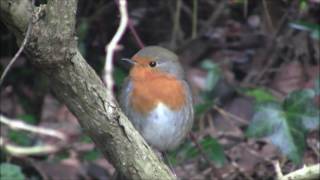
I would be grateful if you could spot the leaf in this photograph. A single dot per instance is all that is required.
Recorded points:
(214, 150)
(260, 95)
(86, 139)
(265, 120)
(179, 155)
(310, 118)
(272, 122)
(290, 140)
(213, 76)
(207, 64)
(211, 148)
(20, 137)
(299, 105)
(203, 108)
(298, 101)
(118, 75)
(10, 171)
(92, 155)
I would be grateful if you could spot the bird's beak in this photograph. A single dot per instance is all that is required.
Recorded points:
(128, 60)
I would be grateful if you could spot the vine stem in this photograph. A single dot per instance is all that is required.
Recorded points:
(112, 46)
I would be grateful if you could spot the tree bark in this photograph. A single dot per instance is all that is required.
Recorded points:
(52, 47)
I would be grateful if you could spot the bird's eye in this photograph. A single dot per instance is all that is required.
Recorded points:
(152, 64)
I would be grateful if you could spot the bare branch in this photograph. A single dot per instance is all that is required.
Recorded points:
(111, 47)
(15, 57)
(18, 124)
(25, 151)
(306, 172)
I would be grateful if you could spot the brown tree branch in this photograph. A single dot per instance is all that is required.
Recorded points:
(52, 48)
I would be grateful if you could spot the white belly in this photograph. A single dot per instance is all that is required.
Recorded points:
(165, 129)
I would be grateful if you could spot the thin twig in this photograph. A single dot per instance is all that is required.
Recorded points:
(112, 46)
(135, 34)
(230, 115)
(24, 151)
(17, 124)
(176, 25)
(15, 57)
(270, 56)
(277, 168)
(194, 19)
(214, 16)
(133, 31)
(240, 170)
(306, 172)
(266, 10)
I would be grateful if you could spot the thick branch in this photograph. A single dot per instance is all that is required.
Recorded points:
(52, 48)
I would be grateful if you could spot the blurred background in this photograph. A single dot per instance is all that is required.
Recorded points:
(254, 71)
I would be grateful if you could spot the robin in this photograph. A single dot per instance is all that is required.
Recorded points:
(157, 99)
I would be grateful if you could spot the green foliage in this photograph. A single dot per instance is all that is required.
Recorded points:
(61, 156)
(86, 139)
(300, 105)
(10, 172)
(92, 155)
(213, 76)
(82, 31)
(202, 108)
(261, 95)
(119, 75)
(286, 124)
(271, 121)
(303, 5)
(211, 147)
(28, 118)
(20, 137)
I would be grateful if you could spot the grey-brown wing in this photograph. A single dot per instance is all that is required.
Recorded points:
(188, 110)
(124, 95)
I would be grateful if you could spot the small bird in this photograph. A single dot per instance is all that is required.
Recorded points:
(157, 99)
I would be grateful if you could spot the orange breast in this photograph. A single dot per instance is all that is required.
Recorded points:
(152, 87)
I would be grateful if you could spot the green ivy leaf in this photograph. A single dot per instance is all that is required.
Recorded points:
(180, 154)
(260, 95)
(272, 121)
(10, 172)
(298, 100)
(214, 150)
(299, 105)
(265, 120)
